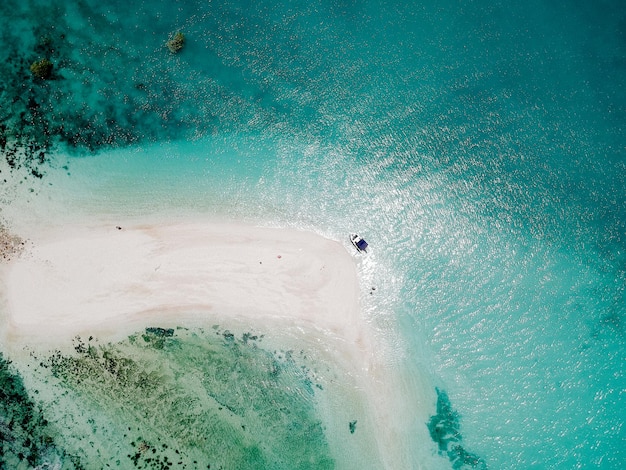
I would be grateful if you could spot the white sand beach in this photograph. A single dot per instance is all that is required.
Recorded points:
(75, 279)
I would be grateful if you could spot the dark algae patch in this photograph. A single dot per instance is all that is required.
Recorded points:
(445, 431)
(168, 398)
(25, 435)
(352, 426)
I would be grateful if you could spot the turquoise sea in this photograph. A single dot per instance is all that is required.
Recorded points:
(479, 146)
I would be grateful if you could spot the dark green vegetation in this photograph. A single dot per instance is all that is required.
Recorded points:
(183, 399)
(25, 436)
(445, 430)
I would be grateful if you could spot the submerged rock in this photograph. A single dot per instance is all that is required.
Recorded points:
(352, 426)
(176, 43)
(160, 331)
(444, 427)
(445, 430)
(42, 69)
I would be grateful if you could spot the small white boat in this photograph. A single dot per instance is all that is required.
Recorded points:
(359, 243)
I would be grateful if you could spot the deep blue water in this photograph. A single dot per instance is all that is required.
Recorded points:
(477, 145)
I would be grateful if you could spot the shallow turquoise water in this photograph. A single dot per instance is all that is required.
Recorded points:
(478, 146)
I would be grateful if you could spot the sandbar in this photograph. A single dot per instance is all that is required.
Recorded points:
(114, 279)
(77, 279)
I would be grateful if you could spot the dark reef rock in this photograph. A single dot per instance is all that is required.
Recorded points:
(352, 426)
(76, 96)
(162, 332)
(444, 427)
(41, 69)
(158, 338)
(445, 431)
(176, 43)
(25, 437)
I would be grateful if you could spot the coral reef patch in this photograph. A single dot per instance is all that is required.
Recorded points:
(192, 399)
(42, 69)
(176, 43)
(85, 82)
(26, 437)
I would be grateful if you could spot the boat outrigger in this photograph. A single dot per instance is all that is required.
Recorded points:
(359, 243)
